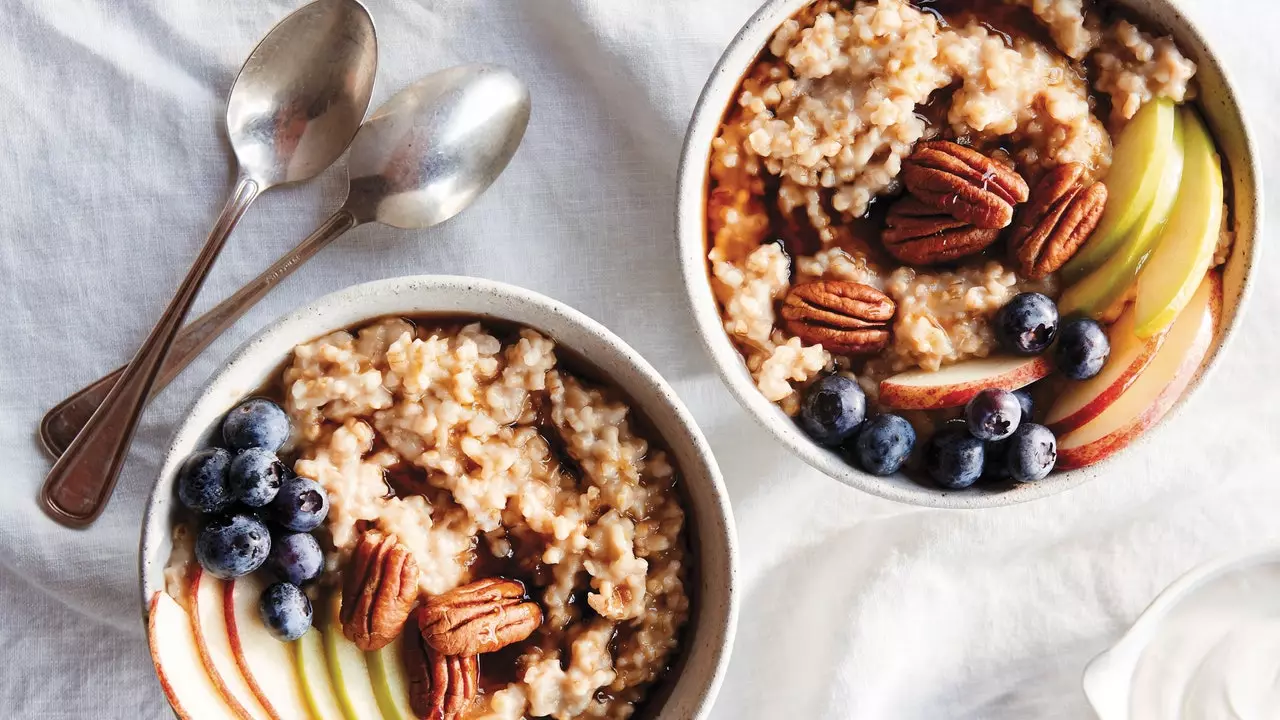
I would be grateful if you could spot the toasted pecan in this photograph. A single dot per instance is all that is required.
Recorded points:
(482, 617)
(846, 318)
(441, 687)
(964, 183)
(919, 234)
(379, 589)
(1063, 212)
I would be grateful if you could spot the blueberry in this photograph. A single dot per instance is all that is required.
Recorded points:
(995, 464)
(255, 476)
(256, 422)
(1028, 407)
(884, 443)
(1033, 451)
(832, 409)
(203, 483)
(1027, 324)
(233, 545)
(301, 505)
(295, 557)
(954, 459)
(993, 414)
(1083, 349)
(285, 610)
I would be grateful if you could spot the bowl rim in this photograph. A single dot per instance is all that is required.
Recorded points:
(157, 525)
(690, 237)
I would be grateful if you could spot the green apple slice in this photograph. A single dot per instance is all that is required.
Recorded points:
(1144, 156)
(1185, 250)
(1110, 284)
(390, 684)
(317, 686)
(348, 669)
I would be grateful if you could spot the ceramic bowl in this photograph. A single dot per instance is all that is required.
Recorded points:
(693, 683)
(1207, 598)
(1219, 105)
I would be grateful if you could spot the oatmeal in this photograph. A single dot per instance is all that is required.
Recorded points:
(830, 114)
(499, 457)
(943, 159)
(1135, 67)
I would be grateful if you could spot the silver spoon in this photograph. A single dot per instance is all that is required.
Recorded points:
(488, 110)
(293, 110)
(419, 160)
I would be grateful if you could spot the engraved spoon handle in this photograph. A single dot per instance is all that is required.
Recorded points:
(76, 490)
(59, 426)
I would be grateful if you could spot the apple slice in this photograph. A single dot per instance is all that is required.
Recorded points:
(1141, 160)
(214, 642)
(313, 670)
(1185, 250)
(1102, 288)
(390, 684)
(189, 687)
(266, 662)
(1082, 401)
(348, 668)
(954, 385)
(1156, 390)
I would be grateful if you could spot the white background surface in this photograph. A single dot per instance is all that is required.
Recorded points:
(114, 166)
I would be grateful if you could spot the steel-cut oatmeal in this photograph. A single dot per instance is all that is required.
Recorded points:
(500, 457)
(449, 499)
(889, 175)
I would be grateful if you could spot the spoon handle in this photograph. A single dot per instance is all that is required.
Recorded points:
(65, 420)
(76, 490)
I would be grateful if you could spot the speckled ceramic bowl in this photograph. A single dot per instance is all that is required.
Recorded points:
(1218, 102)
(691, 687)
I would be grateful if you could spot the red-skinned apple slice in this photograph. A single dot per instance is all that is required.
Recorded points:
(267, 663)
(214, 642)
(1156, 390)
(182, 674)
(954, 385)
(1083, 401)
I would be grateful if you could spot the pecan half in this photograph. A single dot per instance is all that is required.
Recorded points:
(482, 617)
(441, 687)
(1063, 212)
(379, 589)
(964, 183)
(846, 318)
(918, 234)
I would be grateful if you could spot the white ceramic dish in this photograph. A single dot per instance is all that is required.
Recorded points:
(1109, 679)
(1218, 102)
(692, 685)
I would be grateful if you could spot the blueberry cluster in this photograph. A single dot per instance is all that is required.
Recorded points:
(1028, 325)
(834, 414)
(996, 439)
(256, 513)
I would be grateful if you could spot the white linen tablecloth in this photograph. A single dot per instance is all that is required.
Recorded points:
(115, 165)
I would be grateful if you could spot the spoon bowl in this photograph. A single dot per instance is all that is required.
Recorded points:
(431, 150)
(300, 96)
